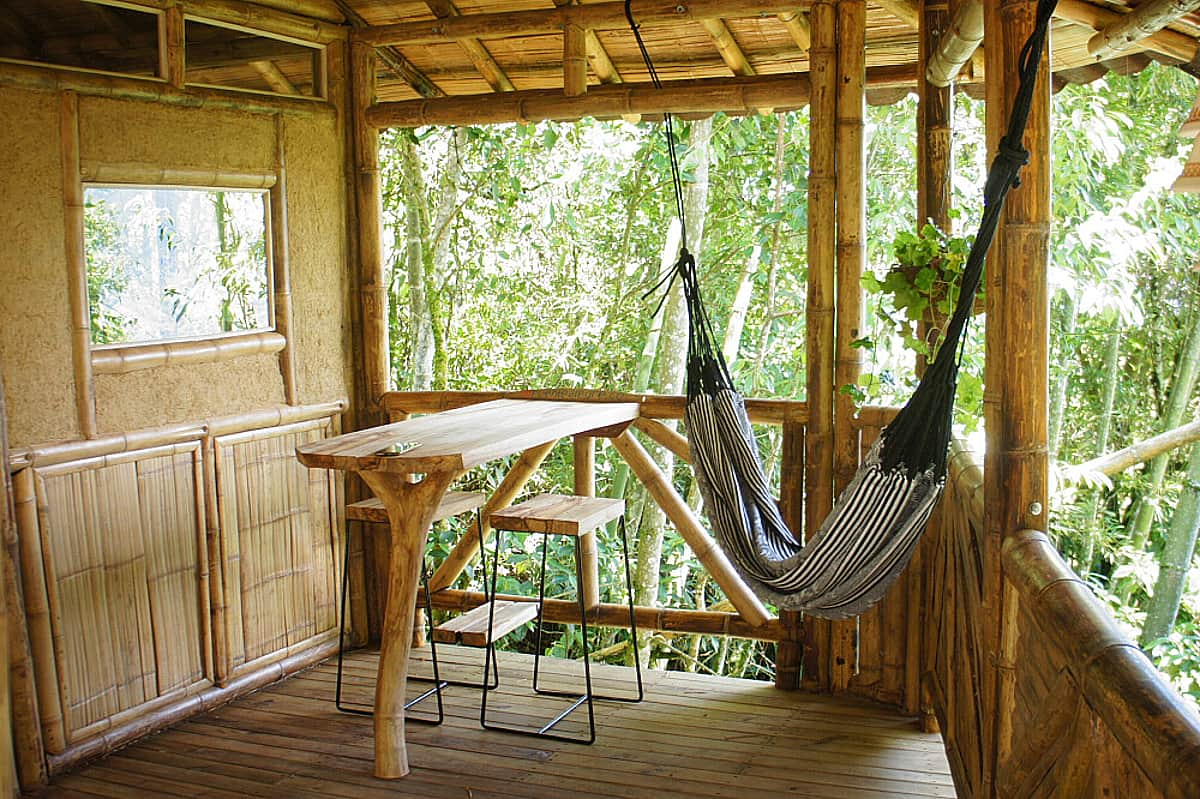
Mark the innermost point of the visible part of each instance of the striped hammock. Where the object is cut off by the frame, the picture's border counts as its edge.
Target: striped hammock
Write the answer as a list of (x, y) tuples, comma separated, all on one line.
[(876, 521)]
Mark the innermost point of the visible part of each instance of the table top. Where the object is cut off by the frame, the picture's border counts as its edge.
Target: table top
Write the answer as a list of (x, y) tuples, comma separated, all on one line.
[(462, 438)]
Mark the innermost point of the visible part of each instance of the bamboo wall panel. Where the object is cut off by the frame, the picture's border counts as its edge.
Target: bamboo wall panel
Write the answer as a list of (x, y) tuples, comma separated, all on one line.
[(122, 550), (279, 530)]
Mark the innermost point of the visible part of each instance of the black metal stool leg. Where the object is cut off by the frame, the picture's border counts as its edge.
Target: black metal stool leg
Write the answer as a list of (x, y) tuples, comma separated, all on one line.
[(637, 660)]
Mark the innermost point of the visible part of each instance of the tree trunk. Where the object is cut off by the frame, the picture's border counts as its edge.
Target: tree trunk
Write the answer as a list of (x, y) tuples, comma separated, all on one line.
[(741, 304), (669, 367), (1066, 358), (437, 264), (1176, 557), (1112, 373), (422, 344), (1177, 402), (764, 333)]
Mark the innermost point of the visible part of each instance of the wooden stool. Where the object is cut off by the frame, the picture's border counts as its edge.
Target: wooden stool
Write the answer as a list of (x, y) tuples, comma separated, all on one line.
[(372, 511), (579, 518)]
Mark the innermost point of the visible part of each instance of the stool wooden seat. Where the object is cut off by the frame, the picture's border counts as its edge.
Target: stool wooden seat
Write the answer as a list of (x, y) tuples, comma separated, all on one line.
[(372, 511), (558, 514), (471, 628), (455, 502), (578, 518)]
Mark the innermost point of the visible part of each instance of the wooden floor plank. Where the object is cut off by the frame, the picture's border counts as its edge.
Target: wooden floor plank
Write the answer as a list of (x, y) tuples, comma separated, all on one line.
[(695, 736)]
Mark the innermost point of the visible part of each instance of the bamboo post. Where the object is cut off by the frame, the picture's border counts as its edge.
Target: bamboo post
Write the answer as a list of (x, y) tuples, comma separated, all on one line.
[(372, 287), (174, 64), (584, 450), (821, 267), (281, 267), (689, 527), (789, 653), (1149, 17), (468, 545), (1019, 437), (574, 60), (851, 214), (73, 207)]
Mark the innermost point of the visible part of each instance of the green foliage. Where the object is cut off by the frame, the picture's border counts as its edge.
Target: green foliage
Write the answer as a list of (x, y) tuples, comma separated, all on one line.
[(107, 274)]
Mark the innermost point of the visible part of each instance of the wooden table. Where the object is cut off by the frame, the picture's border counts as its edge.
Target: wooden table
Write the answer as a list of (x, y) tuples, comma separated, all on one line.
[(440, 447)]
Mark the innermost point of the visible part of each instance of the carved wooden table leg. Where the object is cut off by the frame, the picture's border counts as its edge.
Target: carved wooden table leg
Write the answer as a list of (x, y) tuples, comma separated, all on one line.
[(410, 508)]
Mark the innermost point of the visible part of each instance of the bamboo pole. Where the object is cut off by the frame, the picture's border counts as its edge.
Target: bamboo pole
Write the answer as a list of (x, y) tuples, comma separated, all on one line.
[(669, 620), (657, 406), (591, 16), (24, 76), (73, 207), (665, 437), (574, 60), (789, 654), (281, 269), (505, 493), (907, 11), (956, 46), (705, 96), (584, 456), (257, 16), (278, 81), (1169, 43), (116, 360), (174, 66), (797, 26), (372, 287), (1021, 433), (820, 343), (689, 527), (1149, 17), (731, 53), (851, 218), (108, 172), (934, 171)]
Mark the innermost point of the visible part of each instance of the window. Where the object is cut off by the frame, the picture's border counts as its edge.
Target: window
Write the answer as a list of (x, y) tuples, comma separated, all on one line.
[(83, 35), (175, 263), (235, 59)]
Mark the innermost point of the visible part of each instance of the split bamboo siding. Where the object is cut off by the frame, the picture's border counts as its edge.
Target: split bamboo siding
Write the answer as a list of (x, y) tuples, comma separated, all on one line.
[(159, 565)]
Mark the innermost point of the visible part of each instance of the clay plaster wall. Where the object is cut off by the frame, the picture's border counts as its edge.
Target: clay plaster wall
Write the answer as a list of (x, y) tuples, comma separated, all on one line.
[(35, 336)]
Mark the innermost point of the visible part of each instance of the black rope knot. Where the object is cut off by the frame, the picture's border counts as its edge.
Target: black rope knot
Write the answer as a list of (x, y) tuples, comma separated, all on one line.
[(1013, 156)]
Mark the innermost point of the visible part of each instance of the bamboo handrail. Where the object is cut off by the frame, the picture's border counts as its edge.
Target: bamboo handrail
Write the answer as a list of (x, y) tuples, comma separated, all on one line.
[(596, 17), (125, 358), (1116, 679)]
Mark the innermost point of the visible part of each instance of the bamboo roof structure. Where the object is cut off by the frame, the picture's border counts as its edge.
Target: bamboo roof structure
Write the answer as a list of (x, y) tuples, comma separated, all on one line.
[(451, 54)]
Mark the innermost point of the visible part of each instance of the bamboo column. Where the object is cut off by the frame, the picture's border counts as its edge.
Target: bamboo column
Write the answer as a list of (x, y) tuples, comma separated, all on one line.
[(372, 287), (174, 65), (11, 657), (1018, 432), (851, 213), (789, 652), (81, 329), (584, 455), (934, 170), (281, 268), (574, 60), (821, 267)]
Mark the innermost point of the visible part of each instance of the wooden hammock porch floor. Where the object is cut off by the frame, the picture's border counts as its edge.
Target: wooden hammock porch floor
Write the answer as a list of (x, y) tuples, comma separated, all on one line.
[(694, 736)]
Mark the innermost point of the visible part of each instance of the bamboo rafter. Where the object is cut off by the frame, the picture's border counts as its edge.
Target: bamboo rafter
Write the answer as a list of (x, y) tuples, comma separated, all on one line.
[(1148, 18), (1165, 42), (393, 59), (484, 63), (958, 44), (595, 17)]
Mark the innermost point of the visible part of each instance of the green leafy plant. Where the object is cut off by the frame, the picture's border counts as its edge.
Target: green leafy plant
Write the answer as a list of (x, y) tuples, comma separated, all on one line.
[(922, 286)]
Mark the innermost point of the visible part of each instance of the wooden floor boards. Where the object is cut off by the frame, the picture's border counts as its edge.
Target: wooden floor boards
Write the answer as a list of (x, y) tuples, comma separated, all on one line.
[(695, 736)]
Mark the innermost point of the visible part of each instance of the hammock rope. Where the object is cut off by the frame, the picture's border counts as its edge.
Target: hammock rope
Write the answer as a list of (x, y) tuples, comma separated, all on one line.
[(876, 521)]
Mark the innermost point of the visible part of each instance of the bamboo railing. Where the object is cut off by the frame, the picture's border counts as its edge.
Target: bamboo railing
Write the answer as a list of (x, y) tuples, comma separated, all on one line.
[(874, 655), (1090, 716), (164, 571)]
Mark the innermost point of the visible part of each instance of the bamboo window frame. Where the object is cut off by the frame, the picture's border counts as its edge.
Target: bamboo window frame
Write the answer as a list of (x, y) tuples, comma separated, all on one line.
[(173, 47), (124, 358)]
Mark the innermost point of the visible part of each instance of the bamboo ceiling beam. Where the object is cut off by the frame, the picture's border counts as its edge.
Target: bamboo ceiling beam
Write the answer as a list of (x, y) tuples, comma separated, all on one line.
[(596, 17), (1168, 43), (602, 65), (278, 20), (957, 45), (731, 52), (704, 96), (797, 25), (400, 66), (274, 77), (324, 10), (485, 65), (907, 11), (1149, 17)]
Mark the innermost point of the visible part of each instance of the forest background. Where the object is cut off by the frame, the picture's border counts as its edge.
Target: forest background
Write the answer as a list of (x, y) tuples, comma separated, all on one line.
[(526, 256)]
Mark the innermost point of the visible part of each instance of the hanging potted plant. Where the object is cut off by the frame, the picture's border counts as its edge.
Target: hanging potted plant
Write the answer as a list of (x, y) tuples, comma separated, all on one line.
[(919, 292)]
